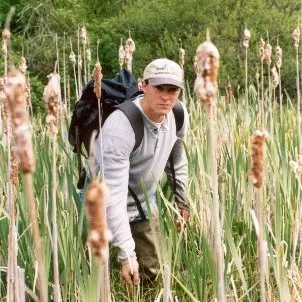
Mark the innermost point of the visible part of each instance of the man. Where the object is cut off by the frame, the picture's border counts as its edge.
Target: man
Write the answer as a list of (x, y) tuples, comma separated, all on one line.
[(123, 167)]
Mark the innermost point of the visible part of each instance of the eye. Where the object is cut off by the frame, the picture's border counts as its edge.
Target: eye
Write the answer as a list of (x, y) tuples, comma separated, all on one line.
[(160, 87), (173, 90)]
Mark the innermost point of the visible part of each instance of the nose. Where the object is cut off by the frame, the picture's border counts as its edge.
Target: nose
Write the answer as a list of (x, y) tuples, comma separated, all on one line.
[(165, 96)]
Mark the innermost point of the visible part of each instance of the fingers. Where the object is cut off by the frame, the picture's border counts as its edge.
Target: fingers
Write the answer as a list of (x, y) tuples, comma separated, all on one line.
[(130, 273), (127, 277), (136, 277)]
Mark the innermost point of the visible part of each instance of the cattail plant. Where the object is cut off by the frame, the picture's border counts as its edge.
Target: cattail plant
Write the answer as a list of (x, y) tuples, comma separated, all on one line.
[(278, 63), (268, 61), (296, 37), (104, 266), (276, 80), (261, 57), (257, 176), (129, 50), (121, 55), (14, 91), (83, 36), (245, 43), (23, 69), (99, 235), (51, 97), (73, 61), (229, 92), (182, 60), (296, 167), (206, 93), (88, 60)]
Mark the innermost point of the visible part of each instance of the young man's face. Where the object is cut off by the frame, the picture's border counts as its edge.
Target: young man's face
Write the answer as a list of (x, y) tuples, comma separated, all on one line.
[(159, 100)]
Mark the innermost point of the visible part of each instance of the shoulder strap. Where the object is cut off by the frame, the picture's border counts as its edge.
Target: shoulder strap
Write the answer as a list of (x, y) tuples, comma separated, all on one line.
[(179, 115), (135, 118)]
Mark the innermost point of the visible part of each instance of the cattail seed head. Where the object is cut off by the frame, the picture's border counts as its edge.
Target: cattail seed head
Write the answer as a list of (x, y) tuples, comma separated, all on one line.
[(261, 49), (129, 50), (72, 58), (27, 94), (121, 55), (296, 166), (130, 43), (83, 35), (14, 90), (296, 36), (207, 70), (257, 169), (99, 235), (257, 75), (246, 38), (14, 165), (275, 76), (88, 55), (278, 56), (182, 53), (229, 92), (5, 38), (97, 75), (51, 97), (80, 62), (268, 54), (5, 34), (22, 65)]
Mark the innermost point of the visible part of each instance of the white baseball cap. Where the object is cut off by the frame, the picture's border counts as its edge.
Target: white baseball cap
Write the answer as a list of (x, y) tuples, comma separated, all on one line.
[(163, 71)]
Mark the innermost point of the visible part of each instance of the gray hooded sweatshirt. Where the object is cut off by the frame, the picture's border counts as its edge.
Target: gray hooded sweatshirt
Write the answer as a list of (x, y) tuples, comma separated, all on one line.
[(145, 165)]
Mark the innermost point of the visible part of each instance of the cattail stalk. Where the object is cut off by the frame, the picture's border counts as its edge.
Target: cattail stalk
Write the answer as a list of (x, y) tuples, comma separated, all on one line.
[(182, 54), (257, 175), (23, 149), (246, 41), (261, 57), (83, 37), (278, 59), (206, 92), (64, 77), (104, 265), (88, 60), (268, 61), (12, 283), (121, 55), (73, 60), (51, 97), (296, 37), (80, 65)]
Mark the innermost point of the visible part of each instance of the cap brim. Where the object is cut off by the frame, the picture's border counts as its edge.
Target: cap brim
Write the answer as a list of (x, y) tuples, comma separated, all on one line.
[(163, 81)]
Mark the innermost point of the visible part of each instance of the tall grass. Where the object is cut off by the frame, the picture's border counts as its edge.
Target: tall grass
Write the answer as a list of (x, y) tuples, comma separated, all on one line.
[(188, 266)]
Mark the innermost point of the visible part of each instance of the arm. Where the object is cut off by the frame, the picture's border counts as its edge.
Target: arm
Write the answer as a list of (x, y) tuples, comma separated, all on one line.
[(118, 141)]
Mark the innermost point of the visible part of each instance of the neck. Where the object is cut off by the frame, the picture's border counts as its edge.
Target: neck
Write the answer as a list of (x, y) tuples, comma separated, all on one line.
[(153, 117)]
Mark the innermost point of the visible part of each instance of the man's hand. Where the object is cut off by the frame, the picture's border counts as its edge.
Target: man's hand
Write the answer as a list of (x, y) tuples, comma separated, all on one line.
[(185, 214), (129, 272)]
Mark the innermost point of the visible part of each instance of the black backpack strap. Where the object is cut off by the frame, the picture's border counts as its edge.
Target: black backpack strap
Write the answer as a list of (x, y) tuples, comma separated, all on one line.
[(179, 115), (138, 204), (136, 120)]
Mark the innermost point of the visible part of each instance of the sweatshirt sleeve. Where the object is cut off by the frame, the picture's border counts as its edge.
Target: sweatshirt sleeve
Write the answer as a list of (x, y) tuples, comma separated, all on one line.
[(118, 142), (180, 165)]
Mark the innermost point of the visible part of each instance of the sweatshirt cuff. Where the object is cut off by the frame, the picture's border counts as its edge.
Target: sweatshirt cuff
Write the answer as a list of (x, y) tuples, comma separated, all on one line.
[(125, 256)]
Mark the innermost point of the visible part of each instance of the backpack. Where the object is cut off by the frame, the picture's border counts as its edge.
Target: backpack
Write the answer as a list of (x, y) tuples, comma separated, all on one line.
[(117, 93)]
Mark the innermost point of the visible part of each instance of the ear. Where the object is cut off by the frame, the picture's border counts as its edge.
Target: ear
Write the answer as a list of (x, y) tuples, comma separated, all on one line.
[(144, 86)]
